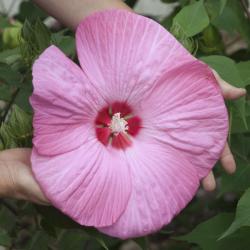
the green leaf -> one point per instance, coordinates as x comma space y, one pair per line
56, 218
228, 70
72, 239
39, 241
188, 42
192, 18
102, 243
142, 243
48, 228
22, 97
16, 131
242, 217
225, 67
4, 22
239, 181
8, 75
9, 56
31, 11
35, 39
5, 92
215, 7
7, 219
244, 71
131, 3
210, 41
207, 233
233, 20
5, 239
65, 43
42, 35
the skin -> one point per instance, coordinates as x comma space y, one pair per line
16, 178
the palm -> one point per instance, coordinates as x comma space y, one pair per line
18, 177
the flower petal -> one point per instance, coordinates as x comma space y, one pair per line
123, 53
63, 103
186, 111
90, 184
163, 182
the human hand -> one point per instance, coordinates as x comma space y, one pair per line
229, 92
16, 178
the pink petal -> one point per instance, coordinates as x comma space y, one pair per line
90, 184
63, 103
123, 54
187, 112
163, 182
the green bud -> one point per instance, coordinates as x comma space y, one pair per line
188, 42
210, 41
11, 35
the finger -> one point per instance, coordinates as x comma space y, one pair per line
229, 91
16, 154
227, 160
208, 182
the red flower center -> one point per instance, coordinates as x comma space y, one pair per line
116, 124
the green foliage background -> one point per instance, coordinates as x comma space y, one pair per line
215, 31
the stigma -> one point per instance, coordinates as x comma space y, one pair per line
118, 124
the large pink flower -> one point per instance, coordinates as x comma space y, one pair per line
122, 142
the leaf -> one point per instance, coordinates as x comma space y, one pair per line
5, 239
142, 242
48, 228
72, 239
131, 3
192, 18
210, 41
244, 71
233, 20
5, 92
188, 42
65, 43
29, 10
56, 218
39, 241
207, 233
16, 131
242, 217
228, 71
42, 35
222, 5
9, 76
239, 181
22, 97
35, 39
215, 7
9, 56
7, 219
225, 67
102, 243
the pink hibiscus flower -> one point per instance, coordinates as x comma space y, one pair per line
122, 142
